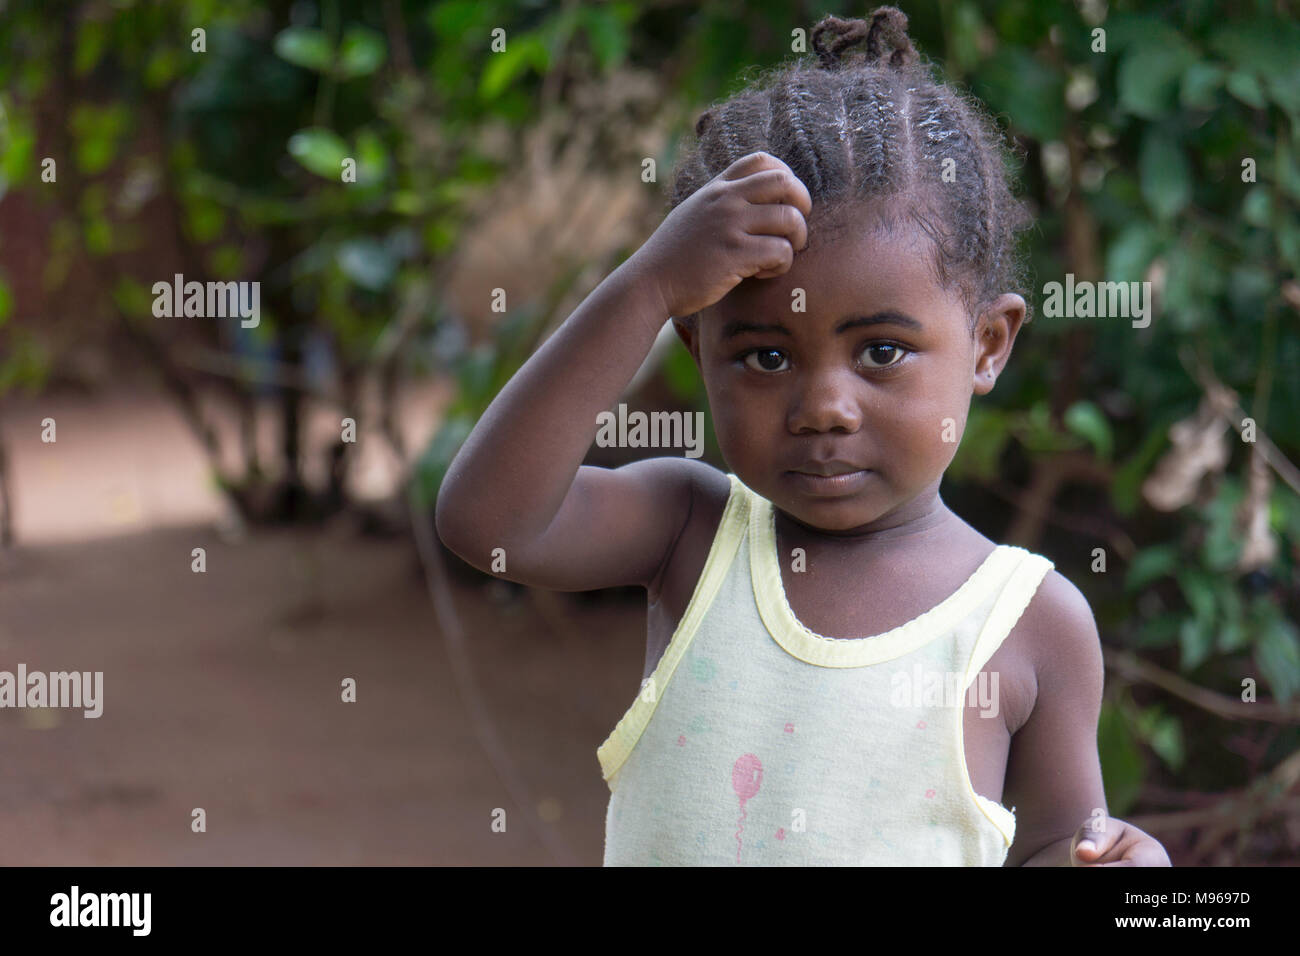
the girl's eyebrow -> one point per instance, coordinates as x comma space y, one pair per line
889, 315
740, 326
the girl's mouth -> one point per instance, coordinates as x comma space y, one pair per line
829, 486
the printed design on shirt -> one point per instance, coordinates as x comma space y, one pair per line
699, 724
702, 668
746, 778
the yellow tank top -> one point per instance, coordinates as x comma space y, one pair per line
758, 742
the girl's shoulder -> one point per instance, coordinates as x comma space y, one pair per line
707, 490
1061, 624
1056, 636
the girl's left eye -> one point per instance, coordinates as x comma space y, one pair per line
765, 360
882, 355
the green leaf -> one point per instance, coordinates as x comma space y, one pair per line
503, 68
1087, 421
320, 150
372, 157
97, 130
205, 220
1257, 207
441, 234
1263, 46
1200, 87
607, 33
132, 297
1036, 430
1287, 170
1165, 174
1222, 544
1198, 589
1231, 630
1126, 485
454, 19
1245, 87
1160, 631
1151, 564
92, 38
1028, 91
475, 378
1122, 765
1148, 79
1163, 733
1129, 255
1284, 90
228, 261
98, 236
6, 302
361, 53
26, 364
1195, 642
681, 373
305, 47
17, 144
1277, 653
1288, 245
982, 444
163, 65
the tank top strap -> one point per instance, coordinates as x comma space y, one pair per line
1025, 574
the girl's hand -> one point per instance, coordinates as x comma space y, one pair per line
1112, 842
749, 220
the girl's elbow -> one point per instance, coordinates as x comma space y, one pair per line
449, 520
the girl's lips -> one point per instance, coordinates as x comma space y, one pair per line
829, 486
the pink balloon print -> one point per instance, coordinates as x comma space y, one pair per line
746, 778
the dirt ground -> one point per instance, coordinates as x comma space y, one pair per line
222, 690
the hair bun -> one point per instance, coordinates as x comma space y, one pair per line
883, 39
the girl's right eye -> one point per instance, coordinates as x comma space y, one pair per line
768, 360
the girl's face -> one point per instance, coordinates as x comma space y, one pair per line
846, 415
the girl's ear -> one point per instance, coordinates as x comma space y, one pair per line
995, 333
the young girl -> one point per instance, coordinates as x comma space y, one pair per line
839, 670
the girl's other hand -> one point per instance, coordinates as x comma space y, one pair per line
749, 220
1115, 843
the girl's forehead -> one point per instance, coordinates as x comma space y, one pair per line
848, 268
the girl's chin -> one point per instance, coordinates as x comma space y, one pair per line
832, 514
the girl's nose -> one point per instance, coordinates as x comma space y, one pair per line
827, 402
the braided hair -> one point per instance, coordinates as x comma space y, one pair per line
866, 126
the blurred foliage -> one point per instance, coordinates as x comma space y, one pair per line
1135, 159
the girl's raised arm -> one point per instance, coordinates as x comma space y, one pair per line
518, 483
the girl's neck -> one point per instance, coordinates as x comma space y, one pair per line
924, 514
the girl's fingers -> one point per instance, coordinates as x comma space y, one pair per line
777, 220
1147, 852
777, 186
752, 163
1090, 845
772, 255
